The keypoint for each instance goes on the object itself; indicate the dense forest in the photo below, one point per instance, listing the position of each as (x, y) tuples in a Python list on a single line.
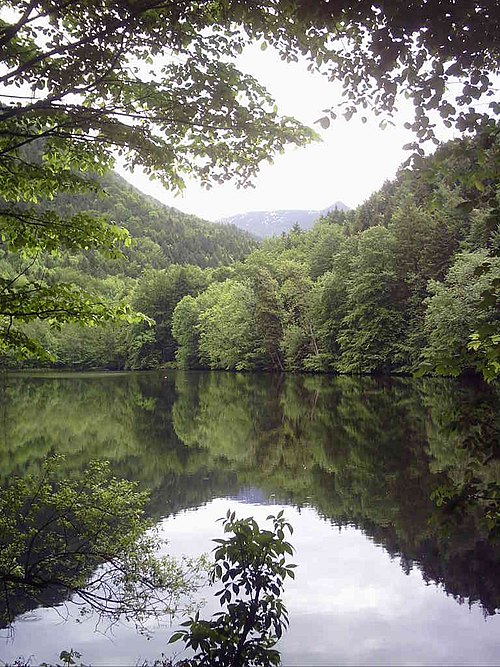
[(161, 235), (393, 286), (174, 251), (406, 282)]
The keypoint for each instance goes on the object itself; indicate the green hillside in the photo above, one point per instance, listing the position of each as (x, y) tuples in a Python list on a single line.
[(162, 235), (170, 255)]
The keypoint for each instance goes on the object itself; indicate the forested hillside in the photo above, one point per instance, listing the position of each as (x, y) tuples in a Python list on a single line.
[(161, 235), (409, 281), (161, 241)]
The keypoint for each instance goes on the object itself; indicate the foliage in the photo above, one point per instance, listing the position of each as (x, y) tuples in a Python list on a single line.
[(157, 295), (454, 312), (196, 112), (268, 318), (377, 291), (112, 81), (55, 304), (87, 540), (373, 321), (252, 566), (215, 330), (486, 342), (78, 84), (294, 345), (424, 50), (185, 331), (94, 287), (226, 327)]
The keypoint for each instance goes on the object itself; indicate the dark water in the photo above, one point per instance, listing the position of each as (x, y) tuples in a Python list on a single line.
[(386, 575)]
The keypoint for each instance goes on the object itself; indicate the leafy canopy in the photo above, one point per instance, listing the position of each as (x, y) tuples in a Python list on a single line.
[(155, 81), (151, 79), (443, 55)]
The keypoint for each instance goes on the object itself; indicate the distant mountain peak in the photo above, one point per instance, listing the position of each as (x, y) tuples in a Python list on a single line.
[(339, 206), (274, 223)]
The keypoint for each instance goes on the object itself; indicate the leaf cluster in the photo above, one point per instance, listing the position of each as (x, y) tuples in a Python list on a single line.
[(252, 565)]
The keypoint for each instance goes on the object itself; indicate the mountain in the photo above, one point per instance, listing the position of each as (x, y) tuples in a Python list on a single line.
[(162, 235), (274, 223)]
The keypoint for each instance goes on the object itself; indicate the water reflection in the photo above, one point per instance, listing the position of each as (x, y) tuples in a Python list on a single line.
[(351, 604), (371, 454)]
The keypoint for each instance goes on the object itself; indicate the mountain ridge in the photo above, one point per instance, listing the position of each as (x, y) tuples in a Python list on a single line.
[(273, 223)]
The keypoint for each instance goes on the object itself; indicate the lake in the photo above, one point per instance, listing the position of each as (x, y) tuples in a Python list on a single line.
[(386, 574)]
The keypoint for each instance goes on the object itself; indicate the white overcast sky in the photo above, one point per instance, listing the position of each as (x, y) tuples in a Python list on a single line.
[(353, 160)]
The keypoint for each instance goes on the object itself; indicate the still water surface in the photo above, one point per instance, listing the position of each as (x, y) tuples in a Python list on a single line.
[(385, 576)]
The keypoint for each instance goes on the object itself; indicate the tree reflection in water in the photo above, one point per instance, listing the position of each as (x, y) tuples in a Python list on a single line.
[(413, 464)]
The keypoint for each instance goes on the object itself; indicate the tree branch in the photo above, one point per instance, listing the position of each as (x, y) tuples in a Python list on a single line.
[(25, 270)]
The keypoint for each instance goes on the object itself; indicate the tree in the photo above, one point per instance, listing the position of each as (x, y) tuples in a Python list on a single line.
[(87, 540), (374, 323), (216, 329), (329, 304), (152, 79), (185, 320), (268, 315), (328, 239), (228, 339), (424, 246), (457, 317), (157, 295), (108, 56), (299, 337)]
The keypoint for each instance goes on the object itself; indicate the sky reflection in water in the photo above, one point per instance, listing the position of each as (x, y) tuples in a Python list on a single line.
[(350, 604)]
